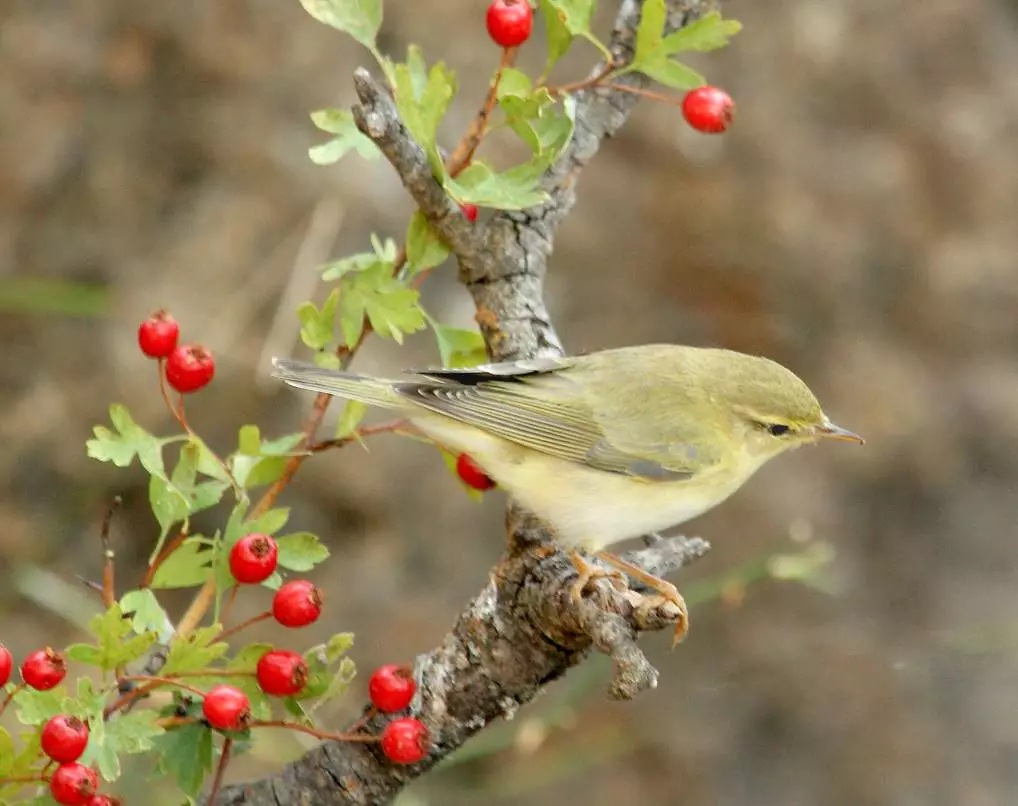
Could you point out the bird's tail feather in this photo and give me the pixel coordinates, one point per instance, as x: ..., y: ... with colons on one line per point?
x: 373, y: 391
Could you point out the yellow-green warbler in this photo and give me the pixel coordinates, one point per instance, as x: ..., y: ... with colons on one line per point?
x: 605, y: 446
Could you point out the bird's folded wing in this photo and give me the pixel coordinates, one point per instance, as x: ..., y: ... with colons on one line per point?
x: 552, y: 415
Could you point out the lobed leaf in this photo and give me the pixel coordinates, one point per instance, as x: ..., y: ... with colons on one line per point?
x: 359, y: 18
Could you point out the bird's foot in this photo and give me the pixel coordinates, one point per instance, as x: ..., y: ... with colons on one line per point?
x: 589, y: 572
x: 667, y: 590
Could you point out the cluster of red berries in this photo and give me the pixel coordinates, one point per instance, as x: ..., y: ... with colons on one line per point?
x: 404, y: 740
x: 189, y: 367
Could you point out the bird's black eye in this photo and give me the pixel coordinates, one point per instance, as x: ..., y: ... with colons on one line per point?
x: 777, y: 430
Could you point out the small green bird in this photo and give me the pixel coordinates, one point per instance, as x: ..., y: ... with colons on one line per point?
x: 609, y: 445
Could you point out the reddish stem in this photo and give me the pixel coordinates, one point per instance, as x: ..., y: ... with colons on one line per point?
x: 253, y: 620
x: 318, y: 734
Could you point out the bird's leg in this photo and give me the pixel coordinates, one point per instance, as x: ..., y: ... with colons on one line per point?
x: 662, y: 586
x: 588, y: 573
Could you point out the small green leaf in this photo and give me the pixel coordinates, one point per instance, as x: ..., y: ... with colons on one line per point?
x: 129, y: 734
x: 185, y: 753
x: 167, y: 502
x: 113, y: 648
x: 317, y: 326
x: 337, y: 268
x: 249, y: 440
x: 515, y: 189
x: 673, y: 74
x: 389, y: 305
x: 130, y: 440
x: 348, y: 138
x: 35, y: 707
x: 422, y: 108
x: 147, y: 615
x: 353, y: 413
x: 515, y: 83
x: 195, y: 651
x: 460, y: 347
x: 329, y: 672
x: 424, y: 249
x: 710, y: 32
x: 650, y: 34
x: 301, y: 551
x: 268, y: 523
x: 188, y: 566
x: 575, y: 16
x: 7, y: 752
x: 559, y: 37
x: 359, y: 18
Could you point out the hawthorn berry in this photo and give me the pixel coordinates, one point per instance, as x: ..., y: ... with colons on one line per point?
x: 157, y: 335
x: 405, y: 741
x: 297, y: 603
x: 6, y: 665
x: 391, y: 688
x: 281, y: 673
x: 226, y: 708
x: 64, y: 738
x: 708, y: 109
x: 73, y: 784
x: 189, y: 368
x: 470, y: 211
x: 43, y: 669
x: 253, y: 558
x: 510, y: 22
x: 471, y: 474
x: 102, y: 800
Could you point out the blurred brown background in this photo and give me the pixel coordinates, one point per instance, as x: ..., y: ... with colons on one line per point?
x: 857, y: 224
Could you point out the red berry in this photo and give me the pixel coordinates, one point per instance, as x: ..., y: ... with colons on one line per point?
x: 227, y: 708
x: 6, y: 665
x: 282, y: 673
x: 470, y: 211
x: 472, y: 474
x: 73, y: 784
x: 43, y: 669
x: 253, y: 558
x: 510, y: 22
x: 103, y: 800
x: 391, y: 688
x: 297, y: 604
x: 708, y: 109
x: 189, y: 368
x: 157, y: 335
x: 64, y: 738
x: 405, y: 741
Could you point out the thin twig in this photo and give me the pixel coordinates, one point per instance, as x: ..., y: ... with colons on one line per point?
x: 644, y: 93
x: 586, y: 83
x: 162, y: 681
x: 318, y: 734
x: 394, y: 427
x: 170, y: 547
x: 224, y: 759
x: 247, y: 623
x: 109, y: 585
x: 467, y: 147
x: 10, y: 697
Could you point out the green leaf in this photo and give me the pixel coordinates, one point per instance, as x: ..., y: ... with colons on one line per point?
x: 7, y: 752
x: 167, y: 502
x: 317, y: 326
x: 147, y: 615
x: 301, y: 551
x: 424, y: 249
x: 35, y: 707
x: 194, y: 651
x: 129, y: 734
x: 348, y: 138
x: 130, y: 440
x: 353, y: 413
x: 460, y: 347
x: 710, y: 32
x: 575, y: 16
x: 249, y: 440
x: 258, y: 461
x: 422, y: 105
x: 515, y: 189
x: 268, y: 523
x: 338, y: 268
x: 329, y: 672
x: 185, y: 753
x: 24, y: 761
x: 514, y: 82
x: 359, y: 18
x: 651, y: 57
x: 389, y: 305
x: 246, y: 660
x: 188, y: 566
x: 113, y: 648
x: 559, y: 37
x: 673, y: 74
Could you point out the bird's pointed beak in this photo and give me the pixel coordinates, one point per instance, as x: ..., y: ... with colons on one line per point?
x: 831, y: 431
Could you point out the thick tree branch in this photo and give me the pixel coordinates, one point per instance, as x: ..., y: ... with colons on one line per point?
x: 523, y: 630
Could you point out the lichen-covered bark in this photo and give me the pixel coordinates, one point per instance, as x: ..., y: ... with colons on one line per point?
x: 522, y: 630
